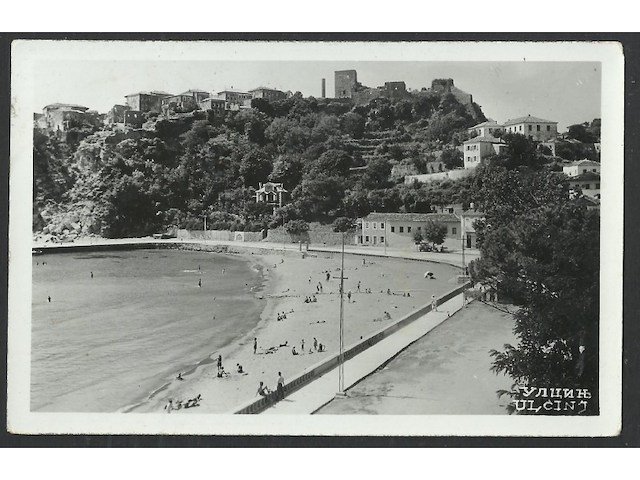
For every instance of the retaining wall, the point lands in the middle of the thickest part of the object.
(319, 369)
(221, 235)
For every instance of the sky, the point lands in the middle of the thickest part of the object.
(566, 92)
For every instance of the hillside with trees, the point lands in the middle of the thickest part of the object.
(176, 171)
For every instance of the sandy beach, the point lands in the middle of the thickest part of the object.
(290, 279)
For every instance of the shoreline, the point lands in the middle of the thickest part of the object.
(287, 284)
(287, 277)
(259, 291)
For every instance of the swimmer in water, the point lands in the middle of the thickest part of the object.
(200, 283)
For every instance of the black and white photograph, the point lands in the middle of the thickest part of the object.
(316, 238)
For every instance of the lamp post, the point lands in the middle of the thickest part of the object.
(385, 238)
(343, 225)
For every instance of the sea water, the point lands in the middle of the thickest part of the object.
(108, 341)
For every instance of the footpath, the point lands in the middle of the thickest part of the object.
(322, 390)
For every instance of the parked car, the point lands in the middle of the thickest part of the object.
(425, 247)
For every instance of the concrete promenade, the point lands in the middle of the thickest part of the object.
(321, 391)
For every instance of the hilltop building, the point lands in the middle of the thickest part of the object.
(116, 114)
(234, 99)
(270, 94)
(477, 149)
(346, 83)
(59, 117)
(580, 167)
(212, 103)
(533, 128)
(185, 101)
(486, 129)
(146, 101)
(588, 183)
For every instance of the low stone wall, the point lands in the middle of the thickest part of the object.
(319, 369)
(220, 235)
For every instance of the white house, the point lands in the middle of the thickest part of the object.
(485, 129)
(533, 128)
(580, 167)
(479, 148)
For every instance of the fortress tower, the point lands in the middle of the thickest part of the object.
(346, 82)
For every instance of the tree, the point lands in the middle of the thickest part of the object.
(353, 124)
(519, 152)
(296, 228)
(541, 250)
(417, 237)
(582, 133)
(435, 232)
(452, 158)
(343, 224)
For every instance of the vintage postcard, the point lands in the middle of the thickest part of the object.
(316, 238)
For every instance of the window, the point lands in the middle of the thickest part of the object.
(375, 224)
(453, 230)
(530, 127)
(538, 128)
(408, 229)
(381, 239)
(520, 127)
(597, 186)
(587, 186)
(593, 170)
(584, 170)
(366, 224)
(366, 238)
(401, 229)
(381, 225)
(419, 228)
(393, 229)
(548, 128)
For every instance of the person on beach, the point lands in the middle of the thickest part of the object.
(263, 390)
(328, 276)
(169, 406)
(434, 303)
(239, 368)
(349, 296)
(91, 274)
(49, 298)
(200, 283)
(358, 286)
(280, 386)
(294, 351)
(309, 278)
(220, 369)
(302, 349)
(255, 345)
(179, 377)
(321, 348)
(315, 343)
(285, 344)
